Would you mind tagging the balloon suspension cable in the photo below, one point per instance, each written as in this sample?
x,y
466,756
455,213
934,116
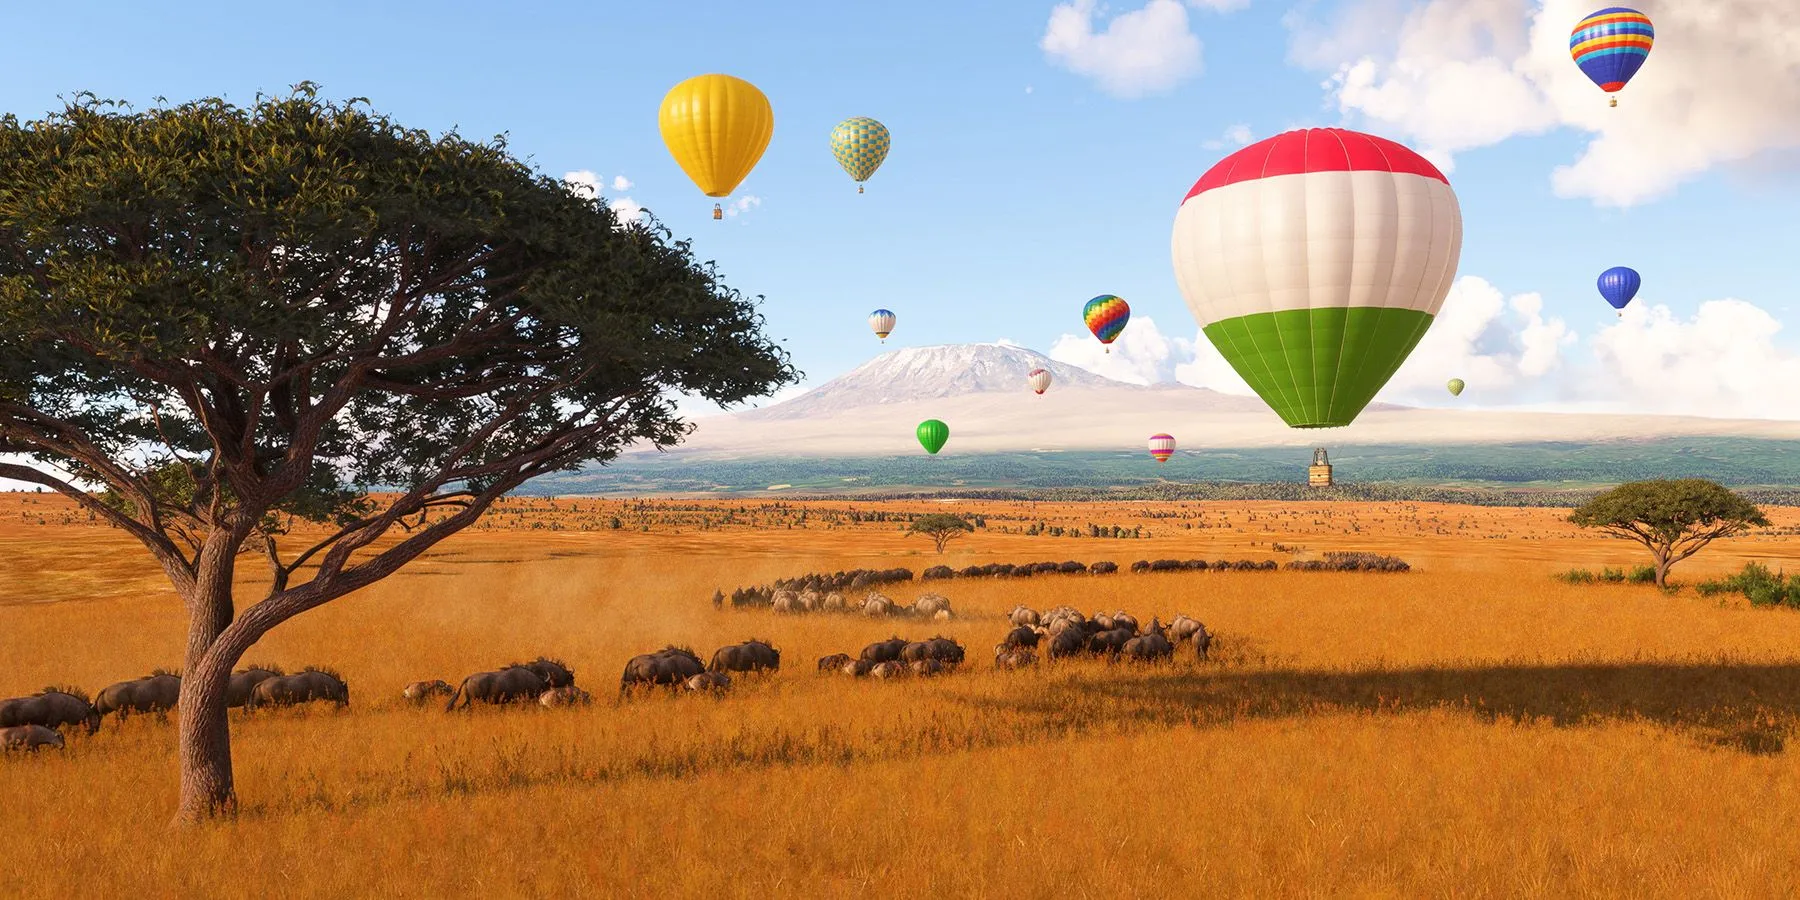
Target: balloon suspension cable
x,y
717,212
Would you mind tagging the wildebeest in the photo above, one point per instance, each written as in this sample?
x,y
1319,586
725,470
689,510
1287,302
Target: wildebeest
x,y
567,695
1104,567
833,662
306,686
785,602
555,672
1022,636
157,693
1202,642
1149,647
515,684
50,708
1124,620
1108,643
750,656
931,604
421,692
1184,627
1013,658
669,666
29,738
1023,615
237,689
876,604
891,669
941,649
857,668
833,602
928,667
885,651
708,681
1067,643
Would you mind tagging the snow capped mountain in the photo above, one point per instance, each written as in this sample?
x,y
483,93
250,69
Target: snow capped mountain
x,y
931,373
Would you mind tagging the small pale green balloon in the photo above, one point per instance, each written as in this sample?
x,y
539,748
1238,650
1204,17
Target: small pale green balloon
x,y
932,435
1456,386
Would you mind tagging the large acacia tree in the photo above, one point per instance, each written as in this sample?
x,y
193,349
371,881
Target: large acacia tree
x,y
1673,518
216,319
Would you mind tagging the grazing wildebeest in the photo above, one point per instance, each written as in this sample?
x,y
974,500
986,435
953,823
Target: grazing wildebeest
x,y
1150,647
1125,620
1067,643
857,668
1109,643
420,692
1023,615
785,602
718,599
833,662
669,666
890,669
941,649
931,604
1104,567
885,651
877,605
305,686
1099,622
1022,636
50,708
833,602
1202,642
750,656
154,693
1184,628
512,685
1013,658
928,667
29,738
567,695
555,672
708,681
237,689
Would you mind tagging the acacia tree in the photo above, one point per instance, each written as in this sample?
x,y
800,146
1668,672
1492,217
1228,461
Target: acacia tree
x,y
1673,518
940,527
228,318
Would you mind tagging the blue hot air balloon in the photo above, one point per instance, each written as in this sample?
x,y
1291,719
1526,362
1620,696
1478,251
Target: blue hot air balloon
x,y
1618,285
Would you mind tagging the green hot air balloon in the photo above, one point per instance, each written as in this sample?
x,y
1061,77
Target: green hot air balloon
x,y
932,435
1315,261
1456,385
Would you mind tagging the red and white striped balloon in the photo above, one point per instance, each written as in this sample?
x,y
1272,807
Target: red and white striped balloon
x,y
1039,379
1162,447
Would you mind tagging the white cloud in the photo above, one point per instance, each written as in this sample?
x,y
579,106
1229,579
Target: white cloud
x,y
629,211
743,204
1502,345
1723,361
1234,136
1028,89
1139,52
1142,354
621,183
583,182
1722,85
586,184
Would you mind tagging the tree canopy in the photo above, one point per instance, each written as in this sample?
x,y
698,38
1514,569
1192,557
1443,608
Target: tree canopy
x,y
940,527
229,317
1673,518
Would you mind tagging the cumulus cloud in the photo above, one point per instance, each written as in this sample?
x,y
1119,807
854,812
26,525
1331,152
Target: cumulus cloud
x,y
1140,355
1724,361
1234,136
1504,345
621,183
1722,85
743,204
629,211
586,184
1139,52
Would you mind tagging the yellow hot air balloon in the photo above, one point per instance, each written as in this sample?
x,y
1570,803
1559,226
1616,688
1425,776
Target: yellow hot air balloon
x,y
716,127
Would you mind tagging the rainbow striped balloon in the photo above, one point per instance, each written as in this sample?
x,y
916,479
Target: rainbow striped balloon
x,y
1611,45
1106,316
1162,447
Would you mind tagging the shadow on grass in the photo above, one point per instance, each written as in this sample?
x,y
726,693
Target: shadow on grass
x,y
1742,706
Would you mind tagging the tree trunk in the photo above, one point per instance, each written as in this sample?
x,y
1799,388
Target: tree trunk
x,y
204,751
1662,567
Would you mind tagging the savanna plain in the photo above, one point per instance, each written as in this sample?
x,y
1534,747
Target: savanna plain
x,y
1471,728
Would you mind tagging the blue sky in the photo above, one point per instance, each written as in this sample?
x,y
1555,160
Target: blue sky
x,y
1024,180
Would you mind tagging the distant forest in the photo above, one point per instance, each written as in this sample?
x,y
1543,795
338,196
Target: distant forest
x,y
1536,474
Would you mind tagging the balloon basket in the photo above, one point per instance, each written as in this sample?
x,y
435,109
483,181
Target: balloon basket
x,y
717,212
859,189
1612,101
1106,349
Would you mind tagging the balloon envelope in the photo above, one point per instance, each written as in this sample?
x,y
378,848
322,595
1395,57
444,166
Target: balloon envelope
x,y
1039,379
1162,447
716,127
1611,45
1618,285
882,323
860,144
1106,316
1314,261
1456,387
932,435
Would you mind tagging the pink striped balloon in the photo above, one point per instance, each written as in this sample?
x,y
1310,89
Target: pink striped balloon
x,y
1162,447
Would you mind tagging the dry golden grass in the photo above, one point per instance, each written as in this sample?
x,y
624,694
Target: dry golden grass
x,y
1471,729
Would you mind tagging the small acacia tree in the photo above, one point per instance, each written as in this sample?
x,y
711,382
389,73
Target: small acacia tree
x,y
940,527
1673,518
233,318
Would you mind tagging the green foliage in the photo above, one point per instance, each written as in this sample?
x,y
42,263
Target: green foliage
x,y
1576,576
940,527
1759,585
1674,519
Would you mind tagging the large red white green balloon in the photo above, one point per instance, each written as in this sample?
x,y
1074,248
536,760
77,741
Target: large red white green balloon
x,y
1315,261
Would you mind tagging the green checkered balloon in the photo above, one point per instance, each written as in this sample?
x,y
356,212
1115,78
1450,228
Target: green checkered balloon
x,y
860,144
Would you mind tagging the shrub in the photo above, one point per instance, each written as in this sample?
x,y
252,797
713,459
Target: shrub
x,y
1759,585
1576,576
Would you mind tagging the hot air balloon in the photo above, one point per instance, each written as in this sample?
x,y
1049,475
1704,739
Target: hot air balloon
x,y
716,127
1314,261
932,435
860,144
882,322
1039,379
1618,285
1456,387
1610,46
1106,316
1162,447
